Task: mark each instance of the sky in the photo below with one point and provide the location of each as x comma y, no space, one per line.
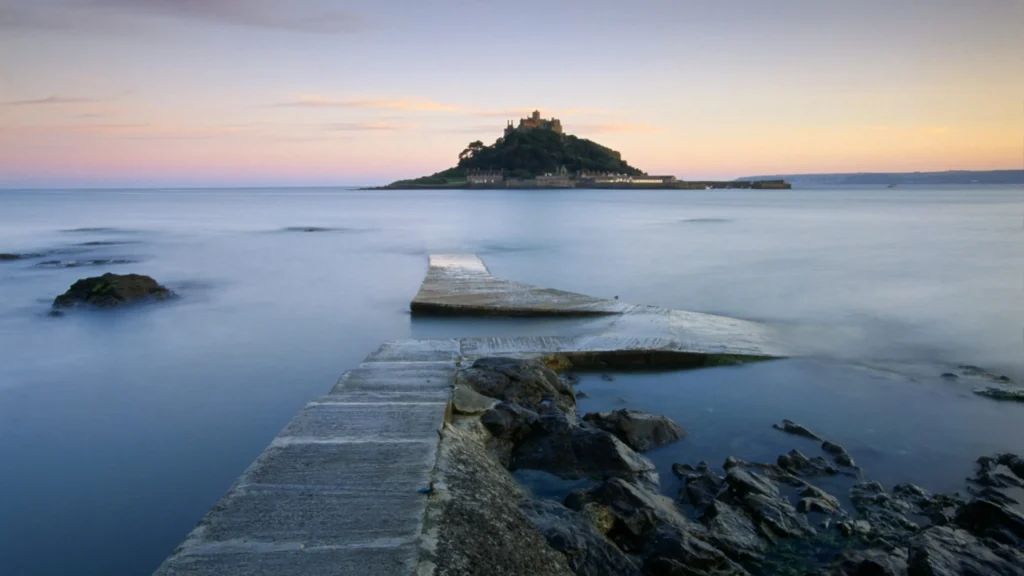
132,93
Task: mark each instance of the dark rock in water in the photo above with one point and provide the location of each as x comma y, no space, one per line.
950,376
806,505
946,551
637,514
309,229
571,379
795,462
588,551
988,519
1001,394
111,290
5,257
815,493
80,263
867,563
885,513
681,471
639,430
525,382
702,487
851,528
839,454
607,377
732,532
743,482
582,452
1013,462
675,552
791,427
581,395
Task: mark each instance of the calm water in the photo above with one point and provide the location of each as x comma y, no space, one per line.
118,430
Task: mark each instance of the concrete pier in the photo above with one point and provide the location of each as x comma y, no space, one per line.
343,489
461,285
339,490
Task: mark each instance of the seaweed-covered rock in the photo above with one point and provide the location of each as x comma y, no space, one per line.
111,290
587,550
528,383
639,430
791,427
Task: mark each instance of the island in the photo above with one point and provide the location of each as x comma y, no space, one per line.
536,153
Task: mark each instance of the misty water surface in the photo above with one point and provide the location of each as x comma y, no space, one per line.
119,429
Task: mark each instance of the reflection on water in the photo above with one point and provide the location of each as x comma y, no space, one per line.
119,429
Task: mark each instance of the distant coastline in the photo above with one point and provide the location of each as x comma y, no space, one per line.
899,178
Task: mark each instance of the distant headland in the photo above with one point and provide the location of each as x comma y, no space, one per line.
536,153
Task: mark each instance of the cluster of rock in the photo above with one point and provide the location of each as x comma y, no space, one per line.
745,519
1004,388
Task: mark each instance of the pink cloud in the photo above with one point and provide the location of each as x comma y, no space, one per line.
406,104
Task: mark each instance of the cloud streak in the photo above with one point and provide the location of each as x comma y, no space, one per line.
619,128
367,127
52,101
308,16
404,104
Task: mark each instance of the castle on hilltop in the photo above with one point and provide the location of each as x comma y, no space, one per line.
535,122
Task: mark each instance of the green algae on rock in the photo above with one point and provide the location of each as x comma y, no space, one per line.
111,290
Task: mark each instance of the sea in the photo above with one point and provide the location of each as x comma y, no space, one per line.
120,428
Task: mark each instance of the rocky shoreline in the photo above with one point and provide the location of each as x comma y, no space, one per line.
745,518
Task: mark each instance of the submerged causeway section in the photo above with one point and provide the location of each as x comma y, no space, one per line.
346,487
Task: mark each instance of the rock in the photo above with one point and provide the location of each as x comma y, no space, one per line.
1001,394
110,290
776,518
839,454
988,519
702,487
911,492
816,493
679,553
638,513
806,505
851,528
732,532
80,263
800,465
509,422
681,471
742,482
946,551
569,379
639,430
588,551
791,427
6,257
950,376
607,377
1013,462
465,400
582,452
868,563
524,382
581,395
885,513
